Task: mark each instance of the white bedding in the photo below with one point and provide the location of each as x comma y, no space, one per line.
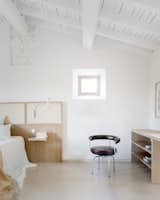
14,158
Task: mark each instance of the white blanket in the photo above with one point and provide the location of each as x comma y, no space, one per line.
14,158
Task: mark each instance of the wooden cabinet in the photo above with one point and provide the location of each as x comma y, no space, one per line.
150,157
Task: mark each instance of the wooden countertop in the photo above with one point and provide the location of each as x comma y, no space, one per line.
149,133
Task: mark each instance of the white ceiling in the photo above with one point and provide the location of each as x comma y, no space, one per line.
135,22
2,20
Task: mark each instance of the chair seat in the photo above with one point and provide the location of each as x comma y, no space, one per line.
103,150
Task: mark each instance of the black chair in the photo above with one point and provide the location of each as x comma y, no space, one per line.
108,150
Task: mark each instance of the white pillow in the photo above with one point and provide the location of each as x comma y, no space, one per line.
5,131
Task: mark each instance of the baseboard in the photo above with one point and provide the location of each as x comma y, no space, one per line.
70,160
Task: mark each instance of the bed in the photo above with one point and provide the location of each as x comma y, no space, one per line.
14,159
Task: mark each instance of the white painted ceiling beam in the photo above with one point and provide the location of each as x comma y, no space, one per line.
139,29
137,43
132,13
150,3
90,14
54,19
132,22
55,26
46,6
12,15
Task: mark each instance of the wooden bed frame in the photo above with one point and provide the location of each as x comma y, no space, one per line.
1,161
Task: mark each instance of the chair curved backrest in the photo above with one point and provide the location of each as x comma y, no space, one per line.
105,137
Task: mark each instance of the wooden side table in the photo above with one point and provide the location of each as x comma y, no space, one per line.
45,150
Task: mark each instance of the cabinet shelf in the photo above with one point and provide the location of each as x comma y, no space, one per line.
141,145
140,158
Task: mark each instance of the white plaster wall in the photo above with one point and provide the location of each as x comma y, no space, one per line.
154,78
56,54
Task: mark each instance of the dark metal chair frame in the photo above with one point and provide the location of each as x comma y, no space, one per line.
109,156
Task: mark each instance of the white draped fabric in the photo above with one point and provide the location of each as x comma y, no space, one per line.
14,157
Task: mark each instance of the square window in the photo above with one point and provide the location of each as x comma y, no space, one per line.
89,84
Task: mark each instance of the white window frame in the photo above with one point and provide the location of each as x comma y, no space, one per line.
79,74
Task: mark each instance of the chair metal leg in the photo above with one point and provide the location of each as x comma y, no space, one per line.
99,164
109,166
109,159
114,164
92,170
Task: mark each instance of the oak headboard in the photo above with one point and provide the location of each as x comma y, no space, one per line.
32,112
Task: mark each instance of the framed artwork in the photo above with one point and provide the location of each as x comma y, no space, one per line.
157,100
44,113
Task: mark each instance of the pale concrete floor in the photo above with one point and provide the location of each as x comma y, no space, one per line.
73,181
